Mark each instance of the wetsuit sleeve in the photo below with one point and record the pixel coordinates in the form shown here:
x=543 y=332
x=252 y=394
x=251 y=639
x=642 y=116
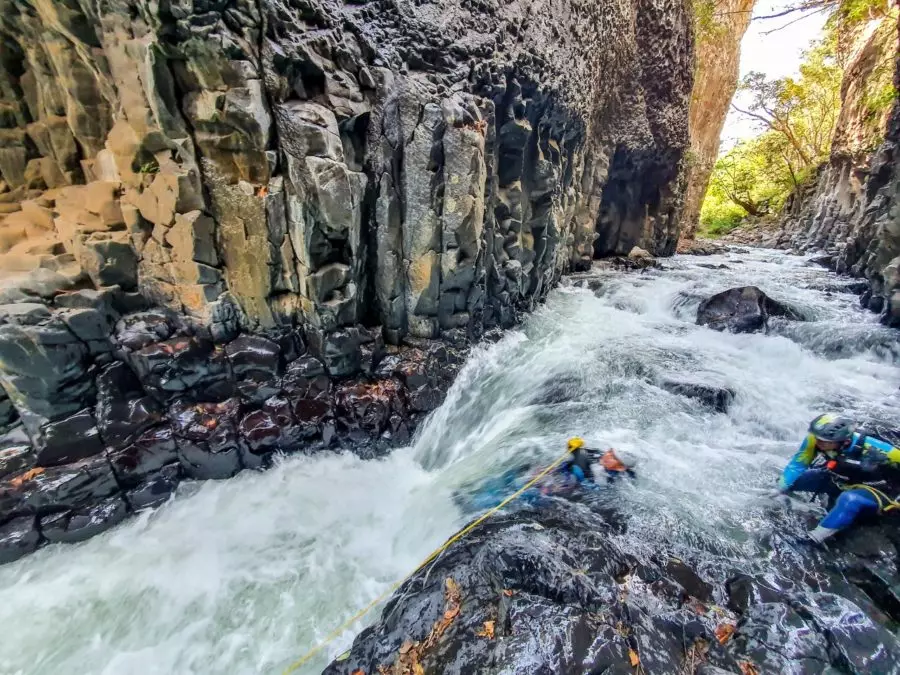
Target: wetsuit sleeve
x=871 y=444
x=799 y=463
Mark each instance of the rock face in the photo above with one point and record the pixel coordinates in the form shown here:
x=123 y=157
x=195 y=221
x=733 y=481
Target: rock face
x=233 y=229
x=552 y=590
x=850 y=209
x=741 y=310
x=718 y=55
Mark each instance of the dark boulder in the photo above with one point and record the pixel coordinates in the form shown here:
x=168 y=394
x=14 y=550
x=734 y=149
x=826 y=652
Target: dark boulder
x=84 y=523
x=207 y=438
x=741 y=310
x=716 y=397
x=423 y=393
x=260 y=434
x=123 y=411
x=16 y=453
x=136 y=331
x=70 y=486
x=145 y=456
x=744 y=590
x=827 y=261
x=8 y=414
x=550 y=588
x=18 y=537
x=367 y=406
x=69 y=440
x=156 y=490
x=173 y=366
x=256 y=364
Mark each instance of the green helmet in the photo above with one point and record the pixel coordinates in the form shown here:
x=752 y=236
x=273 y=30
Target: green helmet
x=832 y=428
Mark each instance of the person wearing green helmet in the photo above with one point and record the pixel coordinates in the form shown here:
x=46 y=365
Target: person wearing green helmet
x=859 y=473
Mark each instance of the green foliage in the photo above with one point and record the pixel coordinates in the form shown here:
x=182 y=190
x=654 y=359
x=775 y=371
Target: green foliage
x=796 y=117
x=706 y=24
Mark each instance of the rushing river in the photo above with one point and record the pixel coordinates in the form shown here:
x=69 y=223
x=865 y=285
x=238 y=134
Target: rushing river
x=245 y=575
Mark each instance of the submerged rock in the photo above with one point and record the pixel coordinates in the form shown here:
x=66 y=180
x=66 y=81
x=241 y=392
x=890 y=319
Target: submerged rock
x=716 y=397
x=741 y=310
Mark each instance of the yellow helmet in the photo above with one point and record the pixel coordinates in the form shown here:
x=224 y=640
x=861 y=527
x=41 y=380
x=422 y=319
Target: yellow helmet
x=575 y=443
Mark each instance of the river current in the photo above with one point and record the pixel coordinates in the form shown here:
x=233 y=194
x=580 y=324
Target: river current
x=245 y=575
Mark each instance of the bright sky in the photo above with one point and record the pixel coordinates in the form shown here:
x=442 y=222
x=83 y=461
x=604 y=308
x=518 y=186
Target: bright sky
x=776 y=55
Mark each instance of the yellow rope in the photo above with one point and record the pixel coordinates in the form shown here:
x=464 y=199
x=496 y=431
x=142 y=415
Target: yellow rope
x=434 y=554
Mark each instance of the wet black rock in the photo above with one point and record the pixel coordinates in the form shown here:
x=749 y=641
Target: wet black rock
x=84 y=523
x=719 y=398
x=136 y=331
x=123 y=411
x=156 y=490
x=551 y=589
x=207 y=438
x=169 y=404
x=827 y=261
x=16 y=453
x=148 y=454
x=742 y=310
x=69 y=486
x=18 y=537
x=174 y=366
x=256 y=363
x=69 y=440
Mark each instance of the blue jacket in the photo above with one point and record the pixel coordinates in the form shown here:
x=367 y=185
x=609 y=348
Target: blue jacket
x=860 y=446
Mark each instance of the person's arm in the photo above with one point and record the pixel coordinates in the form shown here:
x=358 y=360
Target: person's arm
x=877 y=453
x=799 y=463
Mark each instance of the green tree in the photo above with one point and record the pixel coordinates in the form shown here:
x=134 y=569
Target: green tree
x=802 y=111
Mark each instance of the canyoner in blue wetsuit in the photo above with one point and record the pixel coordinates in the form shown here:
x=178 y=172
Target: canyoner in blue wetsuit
x=582 y=468
x=579 y=467
x=860 y=474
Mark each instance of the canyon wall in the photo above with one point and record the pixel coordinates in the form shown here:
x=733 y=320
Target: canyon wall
x=717 y=67
x=234 y=227
x=850 y=210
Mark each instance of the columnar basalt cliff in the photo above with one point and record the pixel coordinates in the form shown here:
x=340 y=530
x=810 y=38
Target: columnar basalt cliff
x=851 y=210
x=718 y=56
x=237 y=227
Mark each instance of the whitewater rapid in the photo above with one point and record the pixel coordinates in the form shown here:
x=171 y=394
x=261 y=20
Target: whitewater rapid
x=245 y=575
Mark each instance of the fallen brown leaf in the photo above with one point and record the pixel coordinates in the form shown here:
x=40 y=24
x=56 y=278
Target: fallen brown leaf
x=358 y=671
x=634 y=658
x=487 y=631
x=748 y=668
x=405 y=647
x=508 y=593
x=28 y=475
x=724 y=631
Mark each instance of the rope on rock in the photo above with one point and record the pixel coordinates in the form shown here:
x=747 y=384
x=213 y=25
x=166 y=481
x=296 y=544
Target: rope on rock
x=431 y=558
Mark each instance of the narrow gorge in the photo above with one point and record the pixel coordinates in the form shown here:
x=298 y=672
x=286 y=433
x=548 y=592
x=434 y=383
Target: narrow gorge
x=237 y=228
x=289 y=287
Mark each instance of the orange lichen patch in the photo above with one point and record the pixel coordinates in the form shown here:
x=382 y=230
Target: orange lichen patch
x=633 y=658
x=487 y=631
x=724 y=631
x=28 y=475
x=410 y=653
